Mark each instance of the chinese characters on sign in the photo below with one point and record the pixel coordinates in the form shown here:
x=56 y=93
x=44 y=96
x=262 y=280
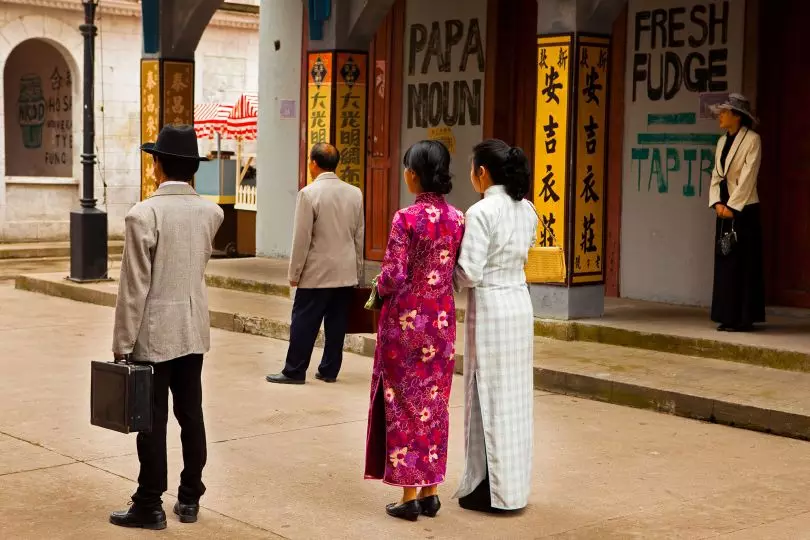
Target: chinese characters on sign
x=350 y=117
x=150 y=121
x=178 y=104
x=589 y=206
x=551 y=138
x=319 y=99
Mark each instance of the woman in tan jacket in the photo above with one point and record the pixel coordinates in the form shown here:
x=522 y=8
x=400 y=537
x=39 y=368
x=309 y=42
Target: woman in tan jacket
x=738 y=300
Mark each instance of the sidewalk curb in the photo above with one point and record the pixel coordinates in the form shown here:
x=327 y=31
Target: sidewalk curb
x=584 y=386
x=33 y=251
x=595 y=333
x=685 y=346
x=682 y=404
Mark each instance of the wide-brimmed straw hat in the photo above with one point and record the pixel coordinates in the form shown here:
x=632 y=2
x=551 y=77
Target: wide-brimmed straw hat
x=177 y=141
x=735 y=102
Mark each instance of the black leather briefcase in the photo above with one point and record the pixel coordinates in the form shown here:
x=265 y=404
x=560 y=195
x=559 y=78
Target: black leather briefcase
x=121 y=396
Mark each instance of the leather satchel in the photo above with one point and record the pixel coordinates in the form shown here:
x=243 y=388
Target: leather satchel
x=121 y=396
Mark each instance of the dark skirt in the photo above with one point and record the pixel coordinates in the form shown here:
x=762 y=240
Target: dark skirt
x=738 y=300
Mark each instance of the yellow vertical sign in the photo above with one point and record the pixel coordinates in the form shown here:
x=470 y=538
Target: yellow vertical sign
x=551 y=138
x=150 y=121
x=589 y=180
x=319 y=99
x=178 y=92
x=350 y=117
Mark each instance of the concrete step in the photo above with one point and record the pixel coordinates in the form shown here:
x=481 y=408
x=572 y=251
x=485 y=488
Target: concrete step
x=731 y=393
x=39 y=250
x=639 y=325
x=11 y=268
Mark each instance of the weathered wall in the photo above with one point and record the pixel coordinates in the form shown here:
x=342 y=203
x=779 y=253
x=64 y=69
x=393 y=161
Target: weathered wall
x=443 y=94
x=677 y=52
x=38 y=85
x=37 y=208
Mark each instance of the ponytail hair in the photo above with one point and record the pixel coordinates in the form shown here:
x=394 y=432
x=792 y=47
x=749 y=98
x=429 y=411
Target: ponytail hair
x=507 y=165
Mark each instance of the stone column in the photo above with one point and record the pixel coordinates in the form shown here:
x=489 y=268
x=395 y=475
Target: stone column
x=570 y=152
x=280 y=30
x=337 y=75
x=167 y=85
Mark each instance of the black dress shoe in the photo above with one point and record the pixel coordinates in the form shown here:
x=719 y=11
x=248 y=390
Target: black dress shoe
x=187 y=512
x=280 y=378
x=409 y=510
x=325 y=379
x=140 y=518
x=430 y=505
x=722 y=328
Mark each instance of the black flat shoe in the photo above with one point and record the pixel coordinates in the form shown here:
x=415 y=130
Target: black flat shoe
x=430 y=505
x=325 y=379
x=187 y=512
x=409 y=510
x=722 y=328
x=153 y=519
x=280 y=378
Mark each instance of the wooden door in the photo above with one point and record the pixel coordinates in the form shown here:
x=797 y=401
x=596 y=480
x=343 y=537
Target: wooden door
x=784 y=180
x=384 y=123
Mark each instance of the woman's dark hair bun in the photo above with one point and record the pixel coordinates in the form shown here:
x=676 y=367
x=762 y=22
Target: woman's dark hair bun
x=430 y=161
x=507 y=165
x=442 y=182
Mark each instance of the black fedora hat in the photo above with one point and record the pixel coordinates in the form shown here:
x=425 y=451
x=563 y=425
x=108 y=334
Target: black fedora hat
x=177 y=141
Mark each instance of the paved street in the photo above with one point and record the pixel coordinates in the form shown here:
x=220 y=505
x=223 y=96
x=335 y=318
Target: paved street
x=286 y=462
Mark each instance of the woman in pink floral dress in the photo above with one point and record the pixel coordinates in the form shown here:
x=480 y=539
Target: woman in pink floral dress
x=413 y=364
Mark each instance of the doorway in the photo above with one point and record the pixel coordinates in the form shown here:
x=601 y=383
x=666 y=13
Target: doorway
x=784 y=180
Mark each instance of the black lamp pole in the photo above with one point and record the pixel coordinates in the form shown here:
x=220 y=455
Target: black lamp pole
x=88 y=224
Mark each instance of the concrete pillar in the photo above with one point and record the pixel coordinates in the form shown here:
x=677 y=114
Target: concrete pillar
x=171 y=31
x=570 y=151
x=280 y=31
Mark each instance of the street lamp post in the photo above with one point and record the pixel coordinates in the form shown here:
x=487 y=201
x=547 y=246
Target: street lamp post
x=88 y=224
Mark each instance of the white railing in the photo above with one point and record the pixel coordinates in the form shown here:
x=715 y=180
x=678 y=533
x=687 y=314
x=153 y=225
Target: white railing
x=246 y=198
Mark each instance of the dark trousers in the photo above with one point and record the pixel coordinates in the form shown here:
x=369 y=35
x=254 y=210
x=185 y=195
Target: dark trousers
x=311 y=308
x=184 y=377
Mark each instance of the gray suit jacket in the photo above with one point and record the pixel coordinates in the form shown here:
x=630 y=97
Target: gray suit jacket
x=327 y=248
x=162 y=308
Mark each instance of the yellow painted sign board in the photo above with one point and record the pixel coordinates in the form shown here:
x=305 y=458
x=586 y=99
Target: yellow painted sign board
x=591 y=148
x=350 y=117
x=551 y=138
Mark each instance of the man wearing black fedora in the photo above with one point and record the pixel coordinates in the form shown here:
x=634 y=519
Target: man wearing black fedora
x=161 y=318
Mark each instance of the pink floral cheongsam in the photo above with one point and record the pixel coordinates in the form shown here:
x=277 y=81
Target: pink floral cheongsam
x=408 y=424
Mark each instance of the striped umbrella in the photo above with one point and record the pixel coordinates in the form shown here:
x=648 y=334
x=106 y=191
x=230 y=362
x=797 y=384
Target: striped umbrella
x=243 y=121
x=210 y=119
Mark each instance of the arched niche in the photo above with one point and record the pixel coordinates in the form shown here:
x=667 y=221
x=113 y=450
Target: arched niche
x=38 y=89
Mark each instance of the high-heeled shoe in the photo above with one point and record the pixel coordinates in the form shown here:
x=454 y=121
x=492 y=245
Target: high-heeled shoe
x=430 y=506
x=408 y=510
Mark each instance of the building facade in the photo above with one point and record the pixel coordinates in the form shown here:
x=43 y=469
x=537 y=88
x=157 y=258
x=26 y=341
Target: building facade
x=626 y=188
x=42 y=53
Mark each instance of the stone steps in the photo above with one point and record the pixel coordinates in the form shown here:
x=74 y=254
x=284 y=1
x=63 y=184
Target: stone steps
x=271 y=281
x=13 y=267
x=49 y=250
x=731 y=393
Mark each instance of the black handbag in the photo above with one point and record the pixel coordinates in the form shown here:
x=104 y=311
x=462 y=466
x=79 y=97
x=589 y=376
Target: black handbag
x=727 y=240
x=121 y=396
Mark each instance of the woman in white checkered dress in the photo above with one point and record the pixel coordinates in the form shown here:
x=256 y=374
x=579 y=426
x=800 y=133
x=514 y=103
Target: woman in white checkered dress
x=498 y=374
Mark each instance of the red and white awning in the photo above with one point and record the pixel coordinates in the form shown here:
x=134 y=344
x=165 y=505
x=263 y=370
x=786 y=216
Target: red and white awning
x=210 y=119
x=243 y=121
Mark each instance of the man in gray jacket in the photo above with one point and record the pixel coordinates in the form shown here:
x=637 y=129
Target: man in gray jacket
x=326 y=264
x=161 y=317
